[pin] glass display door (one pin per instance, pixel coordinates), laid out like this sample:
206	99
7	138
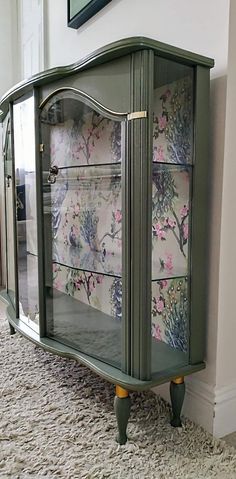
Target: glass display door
9	212
26	215
82	214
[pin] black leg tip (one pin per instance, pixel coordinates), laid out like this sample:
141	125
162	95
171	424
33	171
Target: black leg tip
121	439
12	330
176	422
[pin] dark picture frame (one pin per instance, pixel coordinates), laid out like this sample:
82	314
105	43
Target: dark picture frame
79	11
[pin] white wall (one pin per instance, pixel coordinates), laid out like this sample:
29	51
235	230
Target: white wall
227	306
31	29
8	49
226	350
200	26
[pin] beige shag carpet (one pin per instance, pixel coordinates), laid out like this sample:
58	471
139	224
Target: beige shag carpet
57	421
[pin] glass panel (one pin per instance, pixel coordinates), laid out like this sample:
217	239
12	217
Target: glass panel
87	312
82	219
173	112
171	213
170	220
74	134
169	323
10	273
86	217
25	177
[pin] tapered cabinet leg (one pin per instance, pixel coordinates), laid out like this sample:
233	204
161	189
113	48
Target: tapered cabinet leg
177	393
12	330
122	411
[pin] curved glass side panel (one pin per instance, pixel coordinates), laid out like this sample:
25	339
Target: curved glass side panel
172	170
9	213
25	178
83	226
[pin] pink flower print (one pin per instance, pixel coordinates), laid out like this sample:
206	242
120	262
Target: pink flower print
159	232
169	262
169	223
172	223
156	331
160	305
99	278
162	121
184	211
118	216
185	231
163	283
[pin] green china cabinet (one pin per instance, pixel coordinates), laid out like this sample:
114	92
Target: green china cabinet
106	199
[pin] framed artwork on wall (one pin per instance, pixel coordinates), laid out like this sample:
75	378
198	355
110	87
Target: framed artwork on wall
79	11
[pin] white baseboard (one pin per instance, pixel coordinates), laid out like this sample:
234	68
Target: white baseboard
225	411
213	409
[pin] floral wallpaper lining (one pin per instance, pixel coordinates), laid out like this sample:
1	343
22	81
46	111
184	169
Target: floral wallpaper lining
99	291
170	312
171	208
86	218
170	221
173	122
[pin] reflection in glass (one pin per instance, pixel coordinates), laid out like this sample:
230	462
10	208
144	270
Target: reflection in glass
86	218
83	234
10	272
24	143
87	312
170	220
75	134
173	113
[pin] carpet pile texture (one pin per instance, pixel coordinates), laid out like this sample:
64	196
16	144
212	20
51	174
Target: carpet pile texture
57	421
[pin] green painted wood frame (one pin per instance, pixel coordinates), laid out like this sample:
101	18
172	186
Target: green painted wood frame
200	217
140	138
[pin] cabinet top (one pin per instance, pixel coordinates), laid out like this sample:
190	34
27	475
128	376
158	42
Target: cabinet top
102	55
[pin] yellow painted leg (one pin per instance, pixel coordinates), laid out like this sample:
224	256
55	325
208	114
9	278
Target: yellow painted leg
121	393
122	411
179	380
